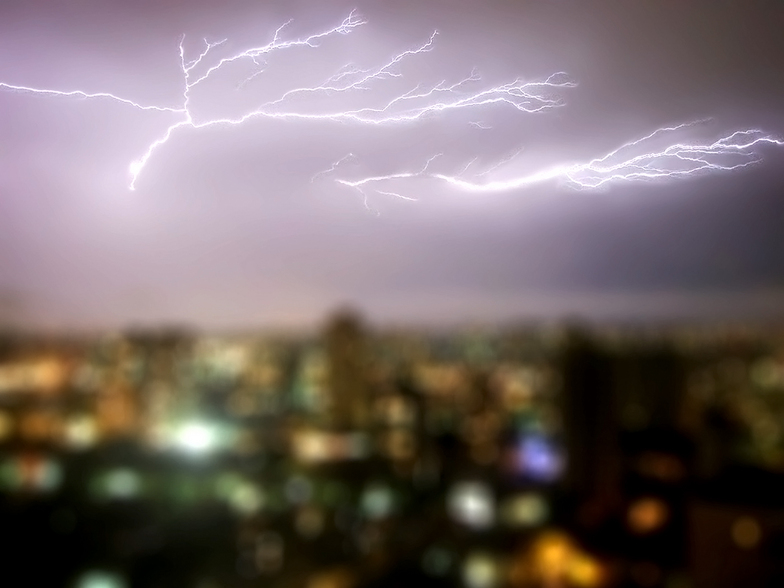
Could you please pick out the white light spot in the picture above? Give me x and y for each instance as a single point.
(197, 438)
(96, 579)
(122, 483)
(472, 504)
(480, 571)
(377, 501)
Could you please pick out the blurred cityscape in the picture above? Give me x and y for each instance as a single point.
(355, 457)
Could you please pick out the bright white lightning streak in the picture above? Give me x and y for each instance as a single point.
(351, 22)
(679, 159)
(345, 27)
(403, 107)
(466, 166)
(350, 157)
(424, 100)
(524, 96)
(362, 76)
(81, 94)
(500, 163)
(359, 187)
(396, 195)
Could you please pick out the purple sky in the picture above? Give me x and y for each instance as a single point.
(226, 229)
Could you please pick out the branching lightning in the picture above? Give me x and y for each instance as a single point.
(383, 108)
(480, 125)
(81, 94)
(347, 158)
(662, 154)
(637, 160)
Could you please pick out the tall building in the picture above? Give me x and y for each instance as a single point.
(347, 357)
(591, 426)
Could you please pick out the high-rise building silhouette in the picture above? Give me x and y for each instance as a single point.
(348, 372)
(591, 425)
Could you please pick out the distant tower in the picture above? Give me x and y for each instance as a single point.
(591, 425)
(347, 357)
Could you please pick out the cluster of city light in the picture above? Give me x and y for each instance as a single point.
(387, 104)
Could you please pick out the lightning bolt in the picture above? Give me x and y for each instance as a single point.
(500, 163)
(384, 103)
(348, 158)
(636, 160)
(480, 125)
(409, 106)
(81, 94)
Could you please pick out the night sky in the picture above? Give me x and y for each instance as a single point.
(226, 229)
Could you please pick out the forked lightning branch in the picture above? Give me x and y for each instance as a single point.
(666, 153)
